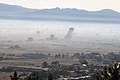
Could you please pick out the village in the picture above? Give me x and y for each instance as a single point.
(78, 66)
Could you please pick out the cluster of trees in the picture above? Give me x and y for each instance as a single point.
(109, 73)
(59, 56)
(15, 76)
(45, 64)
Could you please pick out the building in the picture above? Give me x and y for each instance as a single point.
(70, 33)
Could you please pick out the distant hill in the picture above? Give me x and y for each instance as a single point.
(66, 14)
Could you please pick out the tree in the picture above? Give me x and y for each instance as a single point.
(56, 56)
(76, 55)
(109, 73)
(63, 56)
(33, 77)
(50, 77)
(44, 64)
(15, 76)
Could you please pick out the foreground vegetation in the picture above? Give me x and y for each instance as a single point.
(111, 72)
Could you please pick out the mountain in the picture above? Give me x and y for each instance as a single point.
(66, 14)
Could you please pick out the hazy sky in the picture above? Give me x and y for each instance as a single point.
(80, 4)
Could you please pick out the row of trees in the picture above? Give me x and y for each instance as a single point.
(33, 76)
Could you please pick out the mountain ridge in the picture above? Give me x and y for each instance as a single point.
(18, 12)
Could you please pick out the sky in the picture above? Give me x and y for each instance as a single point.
(90, 5)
